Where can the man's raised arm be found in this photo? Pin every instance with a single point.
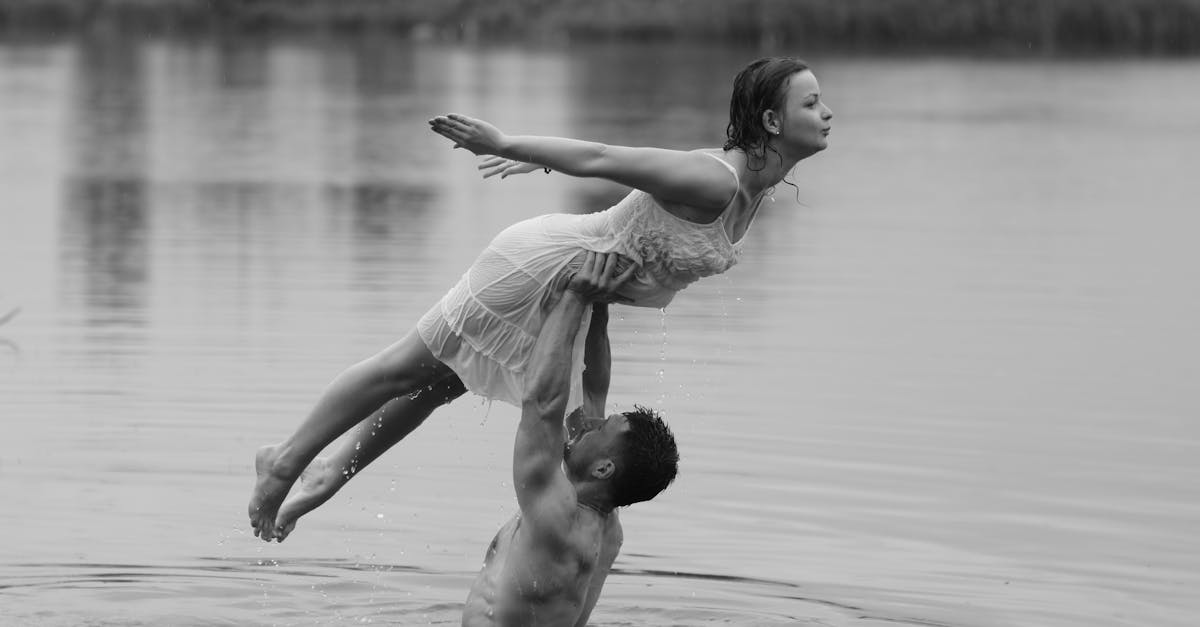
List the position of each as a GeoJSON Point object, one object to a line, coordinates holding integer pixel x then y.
{"type": "Point", "coordinates": [537, 454]}
{"type": "Point", "coordinates": [597, 371]}
{"type": "Point", "coordinates": [597, 361]}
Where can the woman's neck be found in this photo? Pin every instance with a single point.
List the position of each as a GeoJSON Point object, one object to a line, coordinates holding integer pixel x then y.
{"type": "Point", "coordinates": [766, 171]}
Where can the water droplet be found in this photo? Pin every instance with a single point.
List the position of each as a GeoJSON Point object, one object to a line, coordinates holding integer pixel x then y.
{"type": "Point", "coordinates": [357, 445]}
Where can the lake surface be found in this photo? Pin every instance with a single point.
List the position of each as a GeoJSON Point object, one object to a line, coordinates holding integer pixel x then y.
{"type": "Point", "coordinates": [953, 381]}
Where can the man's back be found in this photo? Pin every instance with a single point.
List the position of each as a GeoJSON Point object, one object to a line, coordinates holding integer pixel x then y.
{"type": "Point", "coordinates": [540, 573]}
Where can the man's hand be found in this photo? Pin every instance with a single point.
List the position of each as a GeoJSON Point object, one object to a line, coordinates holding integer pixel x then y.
{"type": "Point", "coordinates": [506, 167]}
{"type": "Point", "coordinates": [475, 135]}
{"type": "Point", "coordinates": [597, 281]}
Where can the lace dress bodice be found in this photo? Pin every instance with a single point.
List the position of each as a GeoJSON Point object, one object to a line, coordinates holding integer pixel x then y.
{"type": "Point", "coordinates": [672, 252]}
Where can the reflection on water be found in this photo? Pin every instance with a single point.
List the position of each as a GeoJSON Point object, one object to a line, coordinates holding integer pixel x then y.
{"type": "Point", "coordinates": [104, 226]}
{"type": "Point", "coordinates": [949, 384]}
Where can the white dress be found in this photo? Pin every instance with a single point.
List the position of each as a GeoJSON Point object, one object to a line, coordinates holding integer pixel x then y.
{"type": "Point", "coordinates": [484, 328]}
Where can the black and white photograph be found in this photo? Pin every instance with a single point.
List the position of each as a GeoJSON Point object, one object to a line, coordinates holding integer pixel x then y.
{"type": "Point", "coordinates": [609, 313]}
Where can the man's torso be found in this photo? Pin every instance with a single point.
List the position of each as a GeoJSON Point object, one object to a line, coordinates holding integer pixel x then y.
{"type": "Point", "coordinates": [533, 578]}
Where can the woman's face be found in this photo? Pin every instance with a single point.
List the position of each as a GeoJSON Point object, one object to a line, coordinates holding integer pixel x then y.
{"type": "Point", "coordinates": [803, 124]}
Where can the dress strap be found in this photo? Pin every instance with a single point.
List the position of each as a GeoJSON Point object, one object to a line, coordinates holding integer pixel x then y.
{"type": "Point", "coordinates": [728, 166]}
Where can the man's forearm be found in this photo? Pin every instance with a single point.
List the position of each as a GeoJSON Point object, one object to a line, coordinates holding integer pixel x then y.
{"type": "Point", "coordinates": [597, 360]}
{"type": "Point", "coordinates": [547, 380]}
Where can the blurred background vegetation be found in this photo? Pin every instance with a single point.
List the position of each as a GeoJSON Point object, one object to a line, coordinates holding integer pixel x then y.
{"type": "Point", "coordinates": [1055, 27]}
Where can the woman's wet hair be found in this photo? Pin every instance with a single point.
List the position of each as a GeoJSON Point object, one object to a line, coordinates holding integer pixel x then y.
{"type": "Point", "coordinates": [649, 458]}
{"type": "Point", "coordinates": [762, 85]}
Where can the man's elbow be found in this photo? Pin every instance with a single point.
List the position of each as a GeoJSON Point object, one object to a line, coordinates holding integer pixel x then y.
{"type": "Point", "coordinates": [544, 403]}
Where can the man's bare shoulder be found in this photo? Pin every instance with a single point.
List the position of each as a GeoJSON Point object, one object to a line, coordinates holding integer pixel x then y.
{"type": "Point", "coordinates": [556, 520]}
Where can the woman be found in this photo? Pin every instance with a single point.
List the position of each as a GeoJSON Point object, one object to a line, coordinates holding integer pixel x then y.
{"type": "Point", "coordinates": [684, 220]}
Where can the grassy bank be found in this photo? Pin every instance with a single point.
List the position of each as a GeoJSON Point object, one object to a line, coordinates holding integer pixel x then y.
{"type": "Point", "coordinates": [1033, 26]}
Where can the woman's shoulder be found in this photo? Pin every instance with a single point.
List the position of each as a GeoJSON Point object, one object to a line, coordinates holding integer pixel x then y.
{"type": "Point", "coordinates": [732, 157]}
{"type": "Point", "coordinates": [698, 186]}
{"type": "Point", "coordinates": [724, 157]}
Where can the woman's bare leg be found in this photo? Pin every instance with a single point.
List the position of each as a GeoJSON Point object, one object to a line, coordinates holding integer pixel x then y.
{"type": "Point", "coordinates": [355, 394]}
{"type": "Point", "coordinates": [367, 441]}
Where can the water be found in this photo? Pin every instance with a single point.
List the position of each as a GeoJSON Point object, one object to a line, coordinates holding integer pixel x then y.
{"type": "Point", "coordinates": [952, 381]}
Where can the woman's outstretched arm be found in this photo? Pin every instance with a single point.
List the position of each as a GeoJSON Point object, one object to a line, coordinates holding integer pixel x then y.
{"type": "Point", "coordinates": [689, 178]}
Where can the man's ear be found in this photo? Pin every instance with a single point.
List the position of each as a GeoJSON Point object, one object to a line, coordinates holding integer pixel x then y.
{"type": "Point", "coordinates": [603, 469]}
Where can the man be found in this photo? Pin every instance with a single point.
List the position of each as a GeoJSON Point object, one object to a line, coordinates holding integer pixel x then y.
{"type": "Point", "coordinates": [547, 565]}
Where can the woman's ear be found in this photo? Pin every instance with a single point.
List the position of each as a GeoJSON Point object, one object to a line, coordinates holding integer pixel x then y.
{"type": "Point", "coordinates": [603, 469]}
{"type": "Point", "coordinates": [771, 122]}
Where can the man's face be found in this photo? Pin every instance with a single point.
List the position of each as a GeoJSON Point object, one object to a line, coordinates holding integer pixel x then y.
{"type": "Point", "coordinates": [598, 438]}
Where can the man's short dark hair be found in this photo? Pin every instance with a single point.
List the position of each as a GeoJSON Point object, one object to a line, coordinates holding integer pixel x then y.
{"type": "Point", "coordinates": [649, 458]}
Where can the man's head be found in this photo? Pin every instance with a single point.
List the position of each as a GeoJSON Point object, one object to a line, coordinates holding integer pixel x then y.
{"type": "Point", "coordinates": [631, 454]}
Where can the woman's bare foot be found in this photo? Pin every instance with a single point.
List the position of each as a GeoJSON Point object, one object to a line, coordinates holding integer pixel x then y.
{"type": "Point", "coordinates": [269, 491]}
{"type": "Point", "coordinates": [318, 482]}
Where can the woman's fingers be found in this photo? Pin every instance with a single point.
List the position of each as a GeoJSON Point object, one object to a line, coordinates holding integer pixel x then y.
{"type": "Point", "coordinates": [492, 161]}
{"type": "Point", "coordinates": [448, 128]}
{"type": "Point", "coordinates": [499, 165]}
{"type": "Point", "coordinates": [458, 123]}
{"type": "Point", "coordinates": [476, 136]}
{"type": "Point", "coordinates": [493, 166]}
{"type": "Point", "coordinates": [446, 131]}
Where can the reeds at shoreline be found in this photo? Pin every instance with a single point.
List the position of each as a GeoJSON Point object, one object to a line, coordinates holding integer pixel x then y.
{"type": "Point", "coordinates": [1019, 26]}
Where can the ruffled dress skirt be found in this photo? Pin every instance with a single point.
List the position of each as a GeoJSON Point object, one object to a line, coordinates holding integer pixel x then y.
{"type": "Point", "coordinates": [485, 327]}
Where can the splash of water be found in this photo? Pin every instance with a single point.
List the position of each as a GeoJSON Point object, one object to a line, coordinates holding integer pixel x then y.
{"type": "Point", "coordinates": [487, 410]}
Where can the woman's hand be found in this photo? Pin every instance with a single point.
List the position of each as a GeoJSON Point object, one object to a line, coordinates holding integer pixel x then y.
{"type": "Point", "coordinates": [506, 167]}
{"type": "Point", "coordinates": [477, 136]}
